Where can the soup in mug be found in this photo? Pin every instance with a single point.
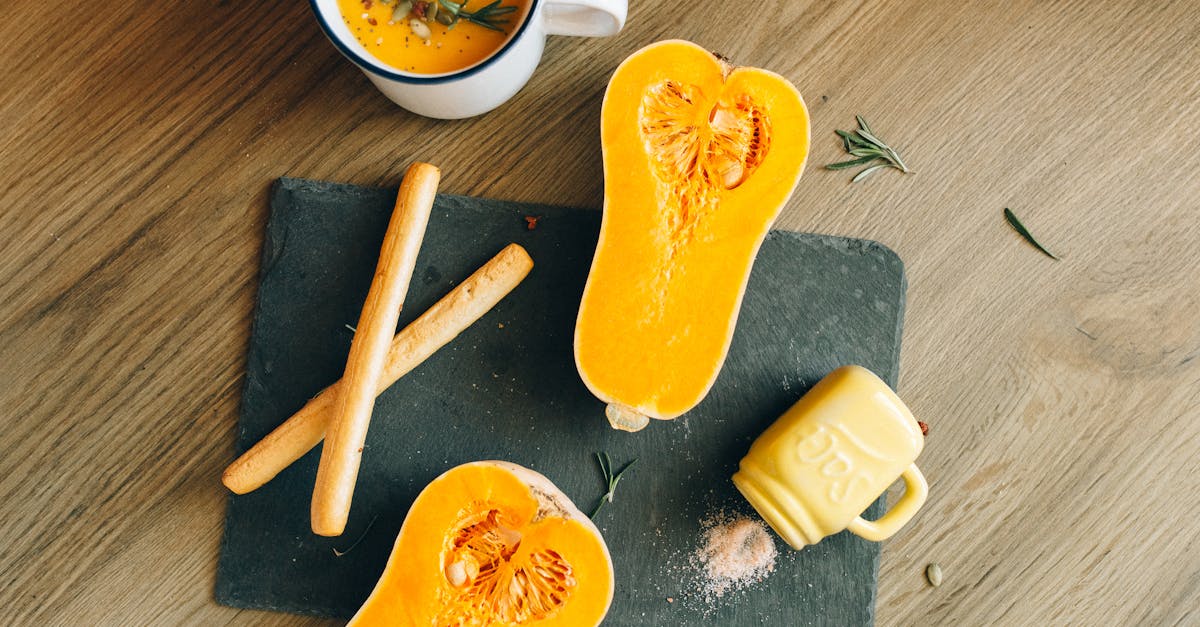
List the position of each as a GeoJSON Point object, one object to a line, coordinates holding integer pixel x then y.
{"type": "Point", "coordinates": [432, 37]}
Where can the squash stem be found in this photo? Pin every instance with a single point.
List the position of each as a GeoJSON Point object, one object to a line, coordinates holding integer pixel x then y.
{"type": "Point", "coordinates": [625, 418]}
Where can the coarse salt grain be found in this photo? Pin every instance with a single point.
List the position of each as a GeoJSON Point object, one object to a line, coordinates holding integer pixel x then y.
{"type": "Point", "coordinates": [735, 551]}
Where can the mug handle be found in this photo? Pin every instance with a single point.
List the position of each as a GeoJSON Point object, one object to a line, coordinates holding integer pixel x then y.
{"type": "Point", "coordinates": [584, 18]}
{"type": "Point", "coordinates": [915, 491]}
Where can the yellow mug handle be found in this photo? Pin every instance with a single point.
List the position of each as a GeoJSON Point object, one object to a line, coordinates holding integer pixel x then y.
{"type": "Point", "coordinates": [915, 491]}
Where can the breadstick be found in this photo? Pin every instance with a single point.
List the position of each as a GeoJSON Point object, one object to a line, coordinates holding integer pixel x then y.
{"type": "Point", "coordinates": [451, 315]}
{"type": "Point", "coordinates": [340, 458]}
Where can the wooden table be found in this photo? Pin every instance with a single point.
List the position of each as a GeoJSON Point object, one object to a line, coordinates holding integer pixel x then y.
{"type": "Point", "coordinates": [138, 141]}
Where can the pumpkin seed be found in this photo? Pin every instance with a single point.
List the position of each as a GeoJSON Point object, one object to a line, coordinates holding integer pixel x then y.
{"type": "Point", "coordinates": [402, 9]}
{"type": "Point", "coordinates": [445, 18]}
{"type": "Point", "coordinates": [420, 29]}
{"type": "Point", "coordinates": [933, 574]}
{"type": "Point", "coordinates": [457, 574]}
{"type": "Point", "coordinates": [431, 11]}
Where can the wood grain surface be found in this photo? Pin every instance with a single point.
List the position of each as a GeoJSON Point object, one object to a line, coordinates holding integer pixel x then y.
{"type": "Point", "coordinates": [138, 141]}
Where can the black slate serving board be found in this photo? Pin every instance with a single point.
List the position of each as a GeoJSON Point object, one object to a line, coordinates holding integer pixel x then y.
{"type": "Point", "coordinates": [507, 389]}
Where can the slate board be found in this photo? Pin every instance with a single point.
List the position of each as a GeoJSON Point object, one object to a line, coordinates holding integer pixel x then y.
{"type": "Point", "coordinates": [507, 389]}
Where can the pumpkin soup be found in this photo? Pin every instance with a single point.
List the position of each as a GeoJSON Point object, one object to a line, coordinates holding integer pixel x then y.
{"type": "Point", "coordinates": [432, 37]}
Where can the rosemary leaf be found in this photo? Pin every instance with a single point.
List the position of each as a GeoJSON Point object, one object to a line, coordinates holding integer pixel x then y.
{"type": "Point", "coordinates": [868, 171]}
{"type": "Point", "coordinates": [866, 145]}
{"type": "Point", "coordinates": [850, 164]}
{"type": "Point", "coordinates": [868, 137]}
{"type": "Point", "coordinates": [610, 478]}
{"type": "Point", "coordinates": [851, 138]}
{"type": "Point", "coordinates": [491, 16]}
{"type": "Point", "coordinates": [1024, 232]}
{"type": "Point", "coordinates": [863, 124]}
{"type": "Point", "coordinates": [867, 152]}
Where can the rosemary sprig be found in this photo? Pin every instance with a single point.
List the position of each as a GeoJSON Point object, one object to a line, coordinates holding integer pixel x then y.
{"type": "Point", "coordinates": [610, 478]}
{"type": "Point", "coordinates": [492, 16]}
{"type": "Point", "coordinates": [864, 144]}
{"type": "Point", "coordinates": [1024, 232]}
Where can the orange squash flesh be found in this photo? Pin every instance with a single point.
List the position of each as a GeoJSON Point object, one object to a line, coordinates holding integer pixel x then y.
{"type": "Point", "coordinates": [699, 158]}
{"type": "Point", "coordinates": [493, 543]}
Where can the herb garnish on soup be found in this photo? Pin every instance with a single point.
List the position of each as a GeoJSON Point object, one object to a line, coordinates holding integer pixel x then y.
{"type": "Point", "coordinates": [432, 36]}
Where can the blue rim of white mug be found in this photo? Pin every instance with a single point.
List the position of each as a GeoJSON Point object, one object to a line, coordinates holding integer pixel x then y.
{"type": "Point", "coordinates": [417, 79]}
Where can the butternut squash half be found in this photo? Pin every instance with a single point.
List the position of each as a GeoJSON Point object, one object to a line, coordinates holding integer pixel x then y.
{"type": "Point", "coordinates": [699, 158]}
{"type": "Point", "coordinates": [493, 543]}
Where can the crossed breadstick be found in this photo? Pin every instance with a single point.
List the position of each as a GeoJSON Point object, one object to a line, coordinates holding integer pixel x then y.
{"type": "Point", "coordinates": [376, 359]}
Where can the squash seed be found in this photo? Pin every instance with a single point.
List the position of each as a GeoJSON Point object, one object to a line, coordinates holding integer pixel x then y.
{"type": "Point", "coordinates": [403, 7]}
{"type": "Point", "coordinates": [457, 574]}
{"type": "Point", "coordinates": [933, 574]}
{"type": "Point", "coordinates": [420, 29]}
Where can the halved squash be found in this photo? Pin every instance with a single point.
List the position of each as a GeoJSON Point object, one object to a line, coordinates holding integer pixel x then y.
{"type": "Point", "coordinates": [699, 158]}
{"type": "Point", "coordinates": [493, 543]}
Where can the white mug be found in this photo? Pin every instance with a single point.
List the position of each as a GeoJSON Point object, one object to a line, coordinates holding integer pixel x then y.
{"type": "Point", "coordinates": [481, 87]}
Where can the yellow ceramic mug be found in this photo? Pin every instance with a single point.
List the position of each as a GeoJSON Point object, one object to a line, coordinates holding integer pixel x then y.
{"type": "Point", "coordinates": [830, 456]}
